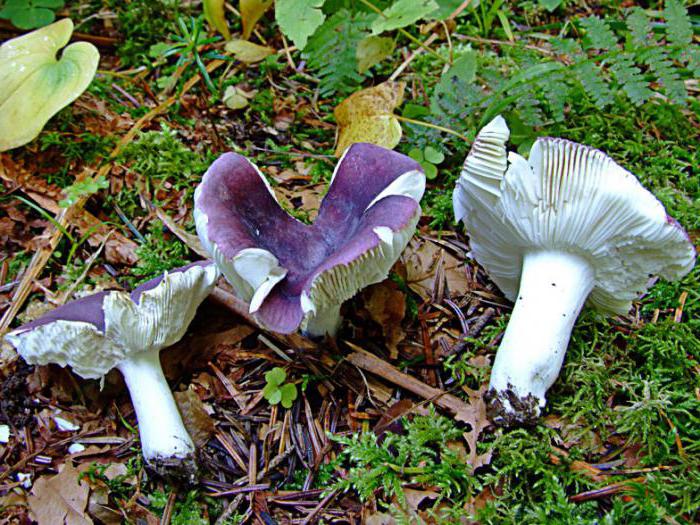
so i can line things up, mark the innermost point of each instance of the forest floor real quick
(389, 425)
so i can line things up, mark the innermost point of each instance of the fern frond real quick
(331, 50)
(590, 78)
(630, 78)
(679, 32)
(639, 27)
(556, 92)
(667, 74)
(598, 34)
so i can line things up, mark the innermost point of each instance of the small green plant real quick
(30, 14)
(186, 46)
(421, 455)
(428, 158)
(157, 254)
(276, 391)
(83, 188)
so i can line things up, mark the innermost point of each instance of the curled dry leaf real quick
(368, 116)
(251, 11)
(247, 51)
(60, 499)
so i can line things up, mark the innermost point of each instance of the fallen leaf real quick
(415, 497)
(98, 507)
(371, 50)
(251, 11)
(247, 51)
(198, 423)
(236, 98)
(422, 258)
(368, 116)
(216, 16)
(386, 305)
(60, 499)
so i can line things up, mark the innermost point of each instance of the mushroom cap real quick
(95, 333)
(567, 197)
(287, 270)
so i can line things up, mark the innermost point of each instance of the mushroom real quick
(565, 227)
(294, 274)
(114, 329)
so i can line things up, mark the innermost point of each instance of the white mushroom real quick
(127, 331)
(564, 227)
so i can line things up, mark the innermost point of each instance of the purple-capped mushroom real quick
(114, 329)
(294, 274)
(564, 227)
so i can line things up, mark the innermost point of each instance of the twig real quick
(318, 508)
(411, 56)
(366, 361)
(433, 126)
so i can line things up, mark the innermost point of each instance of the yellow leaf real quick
(216, 16)
(251, 11)
(372, 50)
(368, 116)
(34, 85)
(247, 51)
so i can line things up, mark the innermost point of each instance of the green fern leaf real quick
(678, 29)
(332, 50)
(639, 28)
(630, 78)
(556, 92)
(596, 87)
(667, 73)
(598, 34)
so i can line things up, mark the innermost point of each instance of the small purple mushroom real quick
(293, 274)
(127, 331)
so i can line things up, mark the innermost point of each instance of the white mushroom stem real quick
(164, 439)
(554, 286)
(323, 321)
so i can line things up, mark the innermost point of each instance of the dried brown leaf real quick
(60, 499)
(198, 423)
(386, 305)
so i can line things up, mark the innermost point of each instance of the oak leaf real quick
(60, 499)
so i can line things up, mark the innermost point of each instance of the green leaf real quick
(83, 188)
(430, 170)
(276, 376)
(32, 18)
(638, 25)
(679, 32)
(49, 4)
(445, 9)
(433, 155)
(288, 394)
(299, 19)
(275, 396)
(371, 50)
(463, 71)
(550, 5)
(416, 154)
(403, 13)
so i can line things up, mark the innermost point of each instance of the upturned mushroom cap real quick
(288, 270)
(572, 198)
(94, 334)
